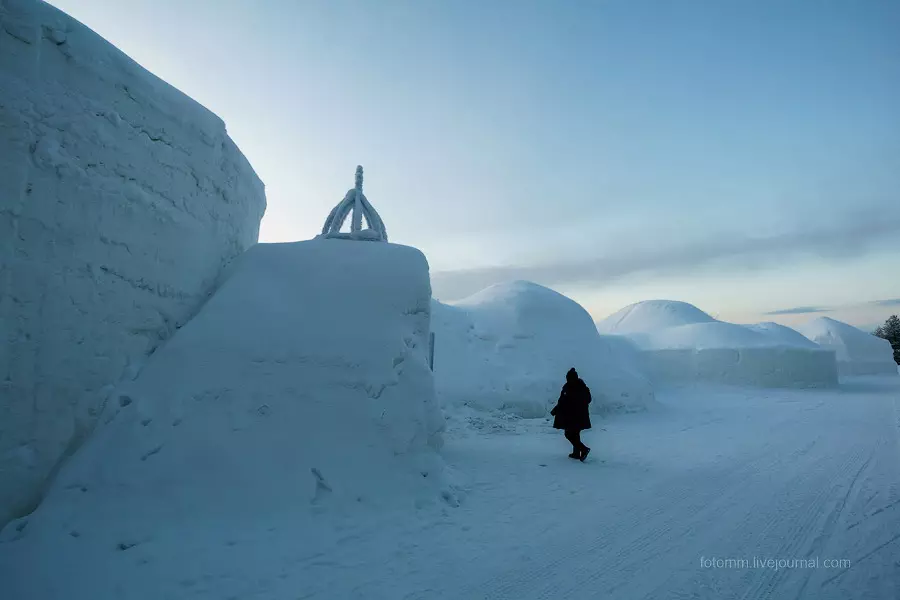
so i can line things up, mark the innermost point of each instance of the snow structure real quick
(857, 352)
(680, 342)
(358, 207)
(508, 348)
(121, 199)
(301, 388)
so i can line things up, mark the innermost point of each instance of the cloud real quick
(851, 238)
(889, 302)
(798, 310)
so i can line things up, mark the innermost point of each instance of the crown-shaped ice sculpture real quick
(357, 206)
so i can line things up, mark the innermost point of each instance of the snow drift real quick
(680, 342)
(509, 346)
(857, 352)
(302, 385)
(120, 201)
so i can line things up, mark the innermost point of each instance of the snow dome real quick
(857, 352)
(680, 342)
(356, 205)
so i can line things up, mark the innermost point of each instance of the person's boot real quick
(575, 455)
(584, 453)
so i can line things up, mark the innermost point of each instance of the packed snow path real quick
(711, 473)
(714, 474)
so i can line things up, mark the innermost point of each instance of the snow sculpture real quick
(354, 201)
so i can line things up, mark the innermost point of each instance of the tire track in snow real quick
(660, 516)
(801, 536)
(747, 506)
(678, 514)
(835, 516)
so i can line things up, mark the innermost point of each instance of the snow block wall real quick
(763, 367)
(681, 343)
(301, 387)
(120, 201)
(509, 346)
(858, 352)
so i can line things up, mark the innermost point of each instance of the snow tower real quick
(356, 205)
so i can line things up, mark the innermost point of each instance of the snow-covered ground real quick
(711, 473)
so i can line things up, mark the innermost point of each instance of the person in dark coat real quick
(571, 413)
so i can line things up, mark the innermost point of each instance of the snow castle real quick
(356, 205)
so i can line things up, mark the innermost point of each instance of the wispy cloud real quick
(888, 302)
(853, 237)
(798, 310)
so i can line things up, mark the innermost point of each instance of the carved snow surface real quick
(121, 200)
(358, 208)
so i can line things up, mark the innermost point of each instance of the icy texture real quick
(301, 388)
(120, 201)
(509, 346)
(357, 206)
(858, 352)
(680, 342)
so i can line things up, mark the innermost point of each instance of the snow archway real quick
(357, 206)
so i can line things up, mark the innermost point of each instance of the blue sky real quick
(742, 156)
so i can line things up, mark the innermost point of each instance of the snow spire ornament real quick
(357, 206)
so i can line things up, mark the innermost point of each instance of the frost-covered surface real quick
(120, 201)
(858, 352)
(710, 473)
(509, 346)
(300, 391)
(680, 342)
(357, 207)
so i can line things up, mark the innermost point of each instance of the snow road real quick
(726, 474)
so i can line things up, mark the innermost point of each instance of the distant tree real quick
(891, 332)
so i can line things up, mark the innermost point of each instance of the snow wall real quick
(858, 352)
(682, 343)
(302, 386)
(509, 346)
(120, 201)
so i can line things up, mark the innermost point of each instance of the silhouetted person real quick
(571, 413)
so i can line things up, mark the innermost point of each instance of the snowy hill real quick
(681, 342)
(858, 352)
(301, 386)
(122, 199)
(509, 346)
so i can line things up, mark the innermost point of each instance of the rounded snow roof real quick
(848, 342)
(715, 334)
(652, 315)
(785, 335)
(523, 305)
(669, 324)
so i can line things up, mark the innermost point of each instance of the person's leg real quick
(576, 441)
(572, 436)
(582, 449)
